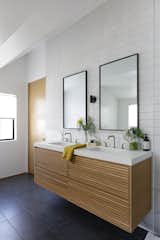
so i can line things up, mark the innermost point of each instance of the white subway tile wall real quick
(115, 30)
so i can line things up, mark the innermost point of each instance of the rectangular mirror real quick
(119, 94)
(74, 99)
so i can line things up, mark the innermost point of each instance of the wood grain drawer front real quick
(50, 160)
(106, 206)
(108, 177)
(51, 181)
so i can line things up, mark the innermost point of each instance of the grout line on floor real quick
(14, 229)
(150, 236)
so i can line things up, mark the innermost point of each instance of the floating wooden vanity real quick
(117, 193)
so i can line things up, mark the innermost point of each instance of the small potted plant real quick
(87, 127)
(133, 135)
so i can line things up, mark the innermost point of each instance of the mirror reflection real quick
(118, 94)
(74, 99)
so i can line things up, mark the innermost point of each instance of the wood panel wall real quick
(36, 118)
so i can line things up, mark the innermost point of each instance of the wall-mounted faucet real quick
(66, 139)
(114, 140)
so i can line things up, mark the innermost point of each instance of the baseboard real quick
(145, 228)
(14, 175)
(150, 232)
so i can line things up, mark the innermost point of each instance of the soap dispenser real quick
(146, 143)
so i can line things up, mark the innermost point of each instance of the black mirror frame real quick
(86, 95)
(100, 66)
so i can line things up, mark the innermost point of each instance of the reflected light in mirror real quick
(74, 99)
(132, 115)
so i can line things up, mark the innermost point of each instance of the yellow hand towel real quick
(69, 151)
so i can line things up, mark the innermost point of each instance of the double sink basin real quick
(115, 155)
(94, 148)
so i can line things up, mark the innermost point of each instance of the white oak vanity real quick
(113, 184)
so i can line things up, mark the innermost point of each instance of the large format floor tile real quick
(2, 218)
(29, 212)
(150, 236)
(7, 232)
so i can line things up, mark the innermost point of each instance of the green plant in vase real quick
(87, 127)
(133, 135)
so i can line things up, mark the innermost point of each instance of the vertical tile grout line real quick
(15, 229)
(154, 142)
(153, 160)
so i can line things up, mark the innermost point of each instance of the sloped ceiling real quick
(25, 22)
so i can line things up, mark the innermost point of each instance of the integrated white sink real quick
(61, 144)
(101, 149)
(95, 148)
(106, 150)
(58, 143)
(115, 155)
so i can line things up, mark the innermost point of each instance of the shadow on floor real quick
(29, 212)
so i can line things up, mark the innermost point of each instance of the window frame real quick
(13, 131)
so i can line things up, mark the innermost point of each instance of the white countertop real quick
(120, 156)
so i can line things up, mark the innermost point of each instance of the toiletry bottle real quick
(146, 143)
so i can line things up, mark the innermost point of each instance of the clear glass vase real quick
(86, 136)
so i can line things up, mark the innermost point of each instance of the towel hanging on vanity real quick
(69, 151)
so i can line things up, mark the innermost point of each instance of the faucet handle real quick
(114, 140)
(107, 143)
(123, 146)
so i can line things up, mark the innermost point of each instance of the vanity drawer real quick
(104, 205)
(50, 160)
(51, 181)
(108, 177)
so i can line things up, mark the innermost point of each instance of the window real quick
(8, 112)
(132, 115)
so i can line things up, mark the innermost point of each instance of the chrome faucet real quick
(105, 144)
(114, 140)
(66, 139)
(123, 146)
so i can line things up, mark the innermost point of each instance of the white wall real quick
(36, 63)
(13, 154)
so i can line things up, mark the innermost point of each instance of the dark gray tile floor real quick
(29, 212)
